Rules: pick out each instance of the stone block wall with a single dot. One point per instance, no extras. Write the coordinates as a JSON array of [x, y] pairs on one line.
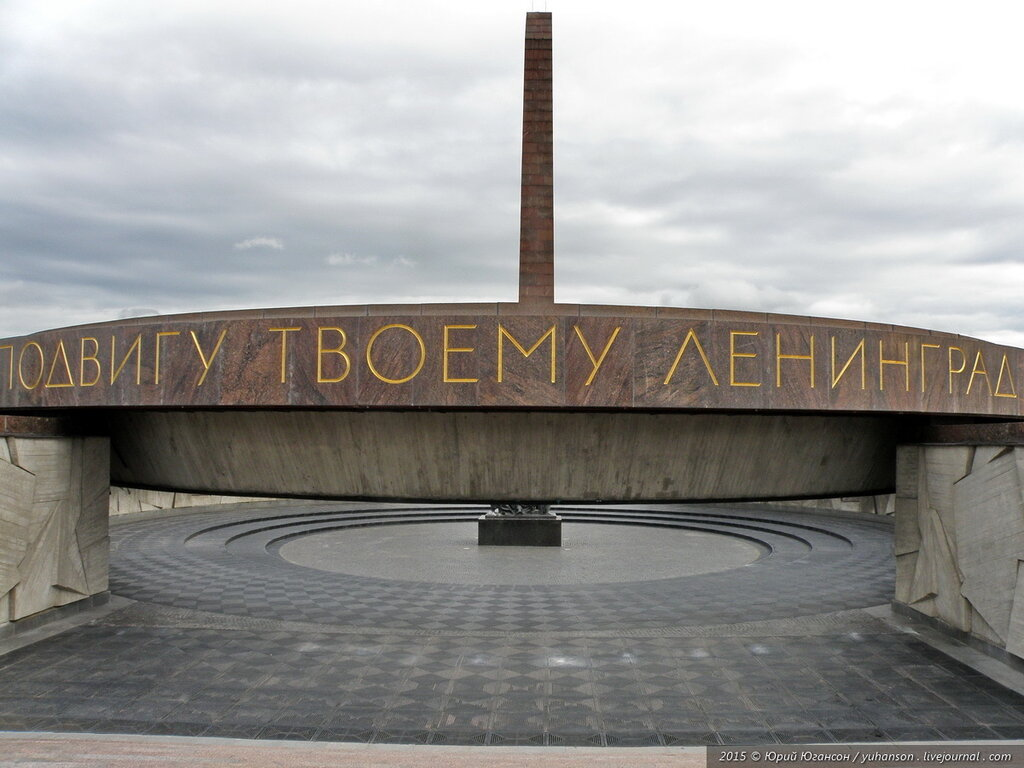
[[960, 539], [879, 504], [125, 501], [53, 522]]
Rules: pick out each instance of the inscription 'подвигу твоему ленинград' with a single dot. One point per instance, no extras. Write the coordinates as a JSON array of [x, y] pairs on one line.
[[531, 354], [570, 356]]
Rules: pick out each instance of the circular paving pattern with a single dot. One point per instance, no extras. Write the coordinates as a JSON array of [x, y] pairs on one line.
[[424, 642], [773, 565], [447, 553]]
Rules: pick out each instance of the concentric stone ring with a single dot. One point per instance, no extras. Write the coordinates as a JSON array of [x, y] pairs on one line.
[[774, 564]]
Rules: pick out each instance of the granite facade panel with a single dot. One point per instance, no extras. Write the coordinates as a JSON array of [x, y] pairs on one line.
[[659, 359]]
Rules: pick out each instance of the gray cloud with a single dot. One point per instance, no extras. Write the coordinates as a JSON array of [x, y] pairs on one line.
[[192, 158], [274, 243]]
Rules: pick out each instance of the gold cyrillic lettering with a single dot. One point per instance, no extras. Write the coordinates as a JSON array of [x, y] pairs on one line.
[[779, 357], [21, 359], [923, 348], [596, 362], [733, 354], [1005, 367], [979, 369], [156, 354], [503, 334], [136, 347], [858, 350], [882, 362], [691, 335], [202, 357], [92, 357], [61, 353], [448, 350], [284, 348], [952, 371], [369, 351], [321, 350]]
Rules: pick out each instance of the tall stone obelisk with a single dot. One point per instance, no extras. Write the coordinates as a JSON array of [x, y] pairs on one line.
[[536, 217], [529, 524]]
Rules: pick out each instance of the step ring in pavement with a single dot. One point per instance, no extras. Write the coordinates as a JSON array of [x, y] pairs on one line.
[[234, 563]]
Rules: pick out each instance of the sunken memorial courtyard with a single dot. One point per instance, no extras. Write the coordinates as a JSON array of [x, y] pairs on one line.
[[525, 523]]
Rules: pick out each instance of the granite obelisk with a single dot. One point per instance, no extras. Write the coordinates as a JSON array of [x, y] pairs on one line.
[[532, 524], [536, 217]]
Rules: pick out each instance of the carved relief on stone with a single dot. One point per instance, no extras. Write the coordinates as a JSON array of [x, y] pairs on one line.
[[990, 536], [520, 509], [960, 538], [53, 522]]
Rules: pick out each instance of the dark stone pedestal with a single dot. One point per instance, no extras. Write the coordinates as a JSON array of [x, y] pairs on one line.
[[520, 531]]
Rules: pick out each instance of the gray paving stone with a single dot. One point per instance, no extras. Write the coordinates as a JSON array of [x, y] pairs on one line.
[[230, 640]]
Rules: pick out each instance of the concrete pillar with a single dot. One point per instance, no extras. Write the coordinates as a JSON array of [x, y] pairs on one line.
[[960, 540], [536, 217], [54, 541]]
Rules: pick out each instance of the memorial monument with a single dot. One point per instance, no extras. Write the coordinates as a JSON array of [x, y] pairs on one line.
[[532, 402], [533, 524]]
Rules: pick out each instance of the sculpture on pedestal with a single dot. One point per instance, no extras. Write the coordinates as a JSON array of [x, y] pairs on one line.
[[520, 509]]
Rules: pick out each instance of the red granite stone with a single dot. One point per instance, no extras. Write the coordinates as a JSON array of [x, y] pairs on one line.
[[536, 228]]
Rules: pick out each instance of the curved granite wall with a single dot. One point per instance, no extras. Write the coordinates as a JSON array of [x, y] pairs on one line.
[[503, 455], [489, 402], [495, 356]]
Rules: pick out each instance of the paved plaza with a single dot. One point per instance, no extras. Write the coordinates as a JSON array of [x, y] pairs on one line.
[[655, 626]]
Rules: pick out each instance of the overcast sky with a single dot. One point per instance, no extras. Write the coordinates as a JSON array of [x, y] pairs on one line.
[[847, 159]]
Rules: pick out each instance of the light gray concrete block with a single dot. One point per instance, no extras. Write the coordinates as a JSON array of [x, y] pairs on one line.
[[990, 536], [114, 502], [61, 521], [92, 532], [981, 629], [958, 544], [1018, 458], [38, 573], [943, 467], [936, 575], [983, 454], [158, 499], [123, 501], [93, 523], [907, 462], [885, 504], [16, 491], [1015, 634], [70, 570], [906, 566], [49, 459], [950, 605], [183, 500], [96, 560], [907, 536], [926, 606]]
